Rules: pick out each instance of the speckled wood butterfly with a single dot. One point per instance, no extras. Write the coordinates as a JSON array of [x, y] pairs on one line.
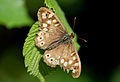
[[54, 38]]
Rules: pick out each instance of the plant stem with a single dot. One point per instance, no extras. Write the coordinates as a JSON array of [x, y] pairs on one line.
[[41, 77]]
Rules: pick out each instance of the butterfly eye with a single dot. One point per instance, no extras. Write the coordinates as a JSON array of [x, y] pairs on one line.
[[41, 43], [51, 59], [47, 55], [41, 37]]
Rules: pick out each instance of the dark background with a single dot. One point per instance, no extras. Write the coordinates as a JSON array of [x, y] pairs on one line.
[[97, 66]]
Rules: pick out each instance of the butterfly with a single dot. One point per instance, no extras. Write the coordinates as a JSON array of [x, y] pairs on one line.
[[55, 40]]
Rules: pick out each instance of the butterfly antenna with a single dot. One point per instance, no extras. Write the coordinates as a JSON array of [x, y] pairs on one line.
[[73, 34], [74, 23], [83, 39]]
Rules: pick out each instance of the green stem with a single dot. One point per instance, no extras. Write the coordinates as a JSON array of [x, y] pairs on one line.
[[41, 77]]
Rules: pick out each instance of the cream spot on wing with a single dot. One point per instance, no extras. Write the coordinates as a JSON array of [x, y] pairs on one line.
[[50, 15], [71, 68], [54, 21], [72, 54], [70, 61], [53, 63], [40, 33], [47, 34], [74, 58], [43, 14], [56, 62], [44, 25], [76, 64], [49, 21], [49, 61], [38, 38], [62, 61], [73, 71], [45, 29], [56, 24], [43, 17], [58, 57], [65, 64]]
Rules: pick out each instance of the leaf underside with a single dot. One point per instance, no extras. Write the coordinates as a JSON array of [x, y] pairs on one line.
[[33, 55]]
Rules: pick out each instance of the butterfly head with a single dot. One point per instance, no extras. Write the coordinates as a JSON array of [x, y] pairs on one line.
[[72, 35]]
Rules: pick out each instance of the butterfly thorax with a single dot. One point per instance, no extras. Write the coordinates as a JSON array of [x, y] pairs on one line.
[[64, 39]]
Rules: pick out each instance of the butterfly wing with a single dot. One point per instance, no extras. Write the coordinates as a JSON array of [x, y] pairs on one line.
[[66, 56], [51, 29]]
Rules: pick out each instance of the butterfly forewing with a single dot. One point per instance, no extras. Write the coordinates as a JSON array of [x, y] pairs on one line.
[[53, 37], [51, 28]]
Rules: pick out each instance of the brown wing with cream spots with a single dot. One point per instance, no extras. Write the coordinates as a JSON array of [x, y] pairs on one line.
[[51, 29], [66, 56]]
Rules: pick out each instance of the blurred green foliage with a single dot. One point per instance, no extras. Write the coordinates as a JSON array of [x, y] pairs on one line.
[[115, 76], [12, 66], [72, 6], [13, 14]]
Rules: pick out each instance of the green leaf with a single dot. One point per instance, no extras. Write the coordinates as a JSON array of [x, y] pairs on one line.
[[13, 13], [33, 54]]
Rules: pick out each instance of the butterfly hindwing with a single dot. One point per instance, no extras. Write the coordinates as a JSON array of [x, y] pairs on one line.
[[66, 56]]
